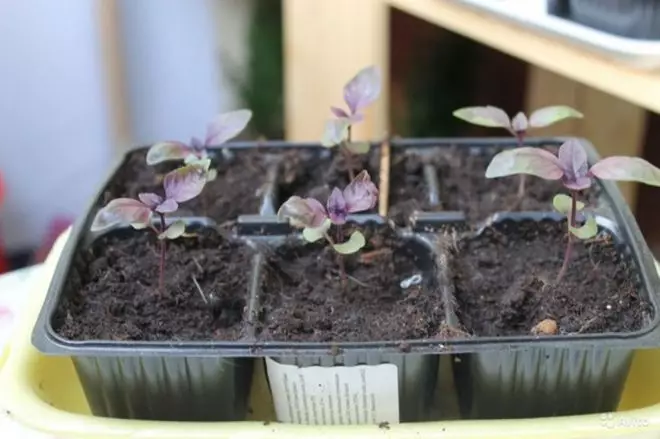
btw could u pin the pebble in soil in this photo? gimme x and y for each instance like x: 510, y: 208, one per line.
x: 113, y: 294
x: 314, y: 174
x: 237, y: 190
x: 464, y: 186
x: 303, y: 299
x: 504, y: 282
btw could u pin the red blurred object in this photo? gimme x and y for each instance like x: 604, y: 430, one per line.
x: 55, y: 229
x: 4, y: 264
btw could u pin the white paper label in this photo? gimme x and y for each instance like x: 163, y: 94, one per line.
x: 334, y: 395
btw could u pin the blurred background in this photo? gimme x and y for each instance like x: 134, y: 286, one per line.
x: 82, y: 80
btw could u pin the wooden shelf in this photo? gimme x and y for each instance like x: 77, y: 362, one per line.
x: 638, y: 87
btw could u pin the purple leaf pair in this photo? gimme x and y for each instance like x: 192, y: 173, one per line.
x: 224, y: 127
x: 180, y: 185
x: 490, y: 116
x: 360, y: 195
x: 360, y: 92
x: 571, y: 166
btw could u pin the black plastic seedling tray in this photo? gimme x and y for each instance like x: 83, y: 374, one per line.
x: 495, y: 376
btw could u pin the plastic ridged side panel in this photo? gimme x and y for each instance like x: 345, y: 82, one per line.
x: 159, y: 388
x: 540, y: 382
x: 417, y: 377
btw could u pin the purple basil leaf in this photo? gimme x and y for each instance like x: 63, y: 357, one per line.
x: 339, y: 112
x: 185, y: 183
x: 487, y: 116
x: 519, y: 123
x: 167, y: 206
x: 549, y: 115
x: 525, y: 160
x: 302, y: 212
x: 226, y: 126
x: 361, y: 194
x: 165, y: 151
x: 122, y: 211
x: 623, y: 168
x: 362, y: 89
x: 573, y: 161
x: 150, y: 199
x: 337, y: 209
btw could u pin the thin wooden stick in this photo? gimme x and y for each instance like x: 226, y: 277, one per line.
x: 199, y: 289
x: 384, y: 179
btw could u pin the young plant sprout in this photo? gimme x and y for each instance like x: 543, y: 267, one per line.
x: 490, y: 116
x: 310, y: 215
x: 224, y: 127
x: 179, y: 186
x: 572, y: 168
x: 360, y: 92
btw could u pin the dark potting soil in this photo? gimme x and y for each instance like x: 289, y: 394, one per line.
x: 464, y: 186
x: 237, y: 190
x: 409, y: 190
x: 503, y: 283
x: 303, y: 299
x: 309, y: 174
x: 114, y: 292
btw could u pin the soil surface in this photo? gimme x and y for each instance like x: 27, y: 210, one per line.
x: 237, y: 190
x: 114, y: 292
x: 503, y: 283
x: 303, y: 299
x: 309, y: 174
x: 464, y: 187
x: 408, y: 188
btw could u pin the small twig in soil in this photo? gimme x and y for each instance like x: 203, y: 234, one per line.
x: 368, y: 257
x: 199, y: 266
x: 587, y: 324
x: 199, y: 289
x: 357, y: 281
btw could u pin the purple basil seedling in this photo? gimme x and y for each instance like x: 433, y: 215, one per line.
x: 360, y: 92
x: 572, y: 168
x: 310, y: 215
x: 490, y: 116
x: 180, y: 185
x: 224, y: 127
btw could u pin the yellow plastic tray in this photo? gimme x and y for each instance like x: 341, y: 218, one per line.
x: 43, y: 394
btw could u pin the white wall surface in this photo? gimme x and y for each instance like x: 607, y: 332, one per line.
x: 173, y: 67
x: 54, y: 142
x: 55, y: 123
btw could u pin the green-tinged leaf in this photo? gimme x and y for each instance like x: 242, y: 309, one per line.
x: 622, y: 168
x: 358, y: 147
x: 175, y: 230
x: 165, y: 151
x: 549, y: 115
x: 588, y: 230
x: 211, y: 175
x: 354, y: 243
x: 190, y: 159
x: 121, y: 211
x: 335, y: 132
x: 139, y: 226
x: 525, y: 160
x: 487, y: 116
x: 563, y: 202
x: 313, y: 234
